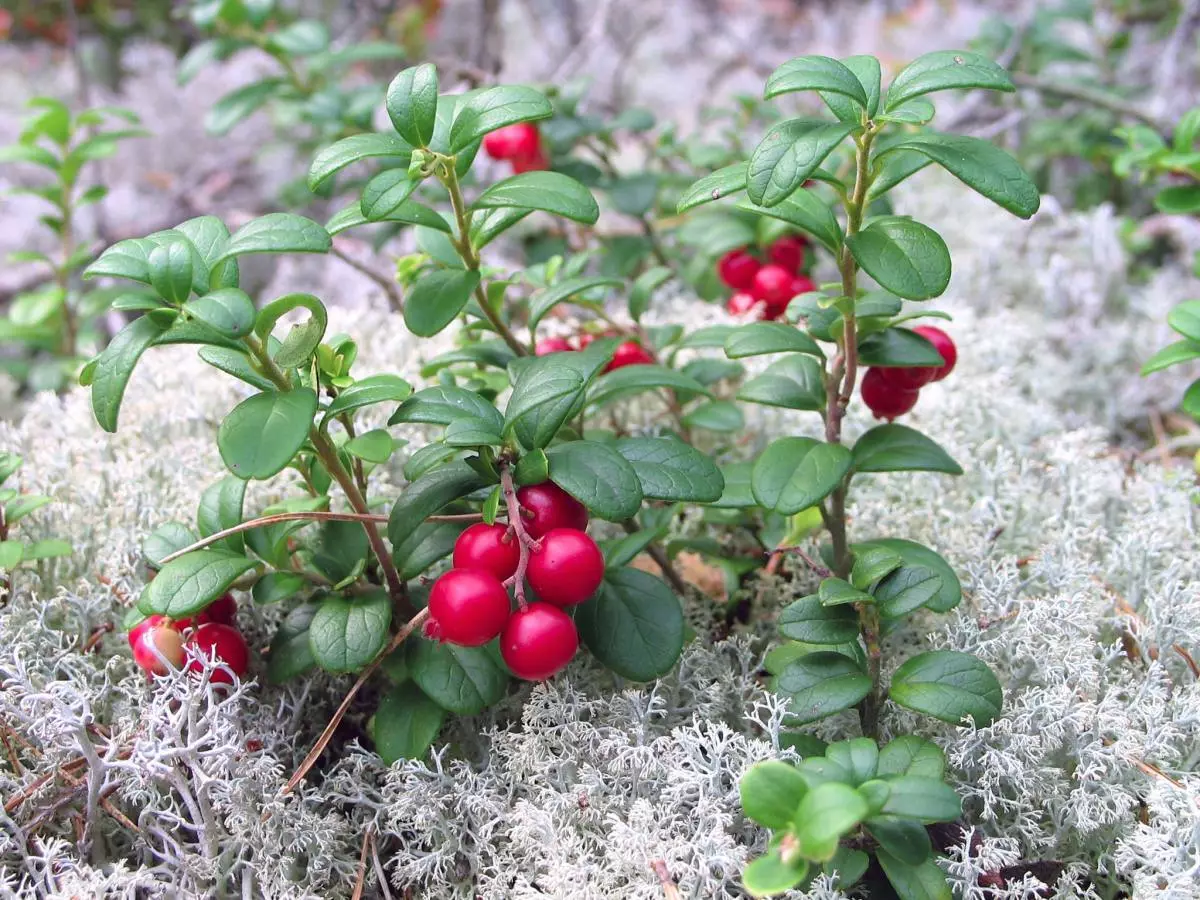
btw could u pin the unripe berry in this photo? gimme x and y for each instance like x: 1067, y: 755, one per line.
x: 884, y: 398
x: 549, y: 345
x: 469, y: 606
x: 226, y: 644
x: 630, y: 353
x: 567, y: 568
x: 740, y: 304
x: 488, y: 548
x: 538, y: 642
x: 788, y: 252
x: 551, y: 507
x: 157, y: 646
x: 737, y: 269
x: 513, y: 141
x: 942, y: 343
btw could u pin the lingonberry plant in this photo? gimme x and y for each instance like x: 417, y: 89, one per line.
x: 853, y: 800
x: 506, y: 490
x: 56, y: 322
x: 15, y: 506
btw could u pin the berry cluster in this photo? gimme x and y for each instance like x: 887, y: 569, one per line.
x: 766, y: 288
x: 160, y: 644
x: 892, y: 391
x: 628, y: 353
x: 469, y: 605
x: 520, y: 144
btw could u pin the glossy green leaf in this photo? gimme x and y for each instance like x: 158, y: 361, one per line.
x: 545, y: 300
x: 461, y: 680
x: 278, y: 586
x: 302, y: 340
x: 914, y: 554
x: 866, y: 70
x: 771, y: 792
x: 811, y: 621
x: 263, y: 432
x: 429, y: 494
x: 806, y: 211
x: 906, y: 589
x: 894, y: 167
x: 948, y: 685
x: 821, y: 684
x: 1180, y: 200
x: 186, y: 585
x: 795, y: 473
x: 442, y: 405
x: 425, y: 545
x: 898, y: 448
x: 357, y: 147
x: 547, y: 191
x: 788, y: 155
x: 759, y: 338
x: 945, y: 70
x: 721, y: 183
x: 374, y: 446
x: 872, y: 564
x: 410, y: 212
x: 369, y: 391
x: 386, y: 193
x: 815, y: 73
x: 169, y: 267
x: 923, y: 882
x: 544, y: 397
x: 917, y: 111
x: 715, y: 415
x: 290, y: 655
x: 769, y: 874
x: 793, y: 382
x: 826, y: 813
x: 406, y: 724
x: 235, y: 363
x: 598, y: 477
x: 905, y: 257
x: 165, y: 540
x: 1172, y: 355
x: 494, y: 108
x: 220, y: 508
x: 669, y: 469
x: 858, y: 756
x: 1185, y: 319
x: 115, y: 364
x: 904, y: 839
x: 848, y: 866
x: 412, y: 101
x: 346, y: 634
x: 630, y: 380
x: 912, y: 755
x: 925, y: 800
x: 835, y: 592
x: 228, y: 311
x: 338, y: 549
x: 897, y: 348
x: 437, y: 298
x: 277, y: 233
x: 633, y: 624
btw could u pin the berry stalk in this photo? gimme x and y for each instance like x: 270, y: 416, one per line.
x: 525, y: 542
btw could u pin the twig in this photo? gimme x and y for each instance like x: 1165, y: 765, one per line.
x: 525, y: 541
x: 94, y: 639
x: 379, y: 873
x: 409, y: 627
x: 1093, y: 97
x: 819, y: 570
x: 1160, y: 438
x: 670, y: 889
x: 659, y: 556
x: 390, y: 288
x: 361, y: 881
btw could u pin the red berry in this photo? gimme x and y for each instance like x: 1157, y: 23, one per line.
x: 773, y: 286
x: 909, y: 378
x: 487, y: 548
x: 470, y: 606
x: 157, y: 646
x: 740, y: 304
x: 224, y: 643
x: 802, y: 284
x: 884, y: 398
x: 549, y: 345
x: 538, y: 642
x: 630, y: 353
x: 788, y: 252
x: 223, y: 609
x: 737, y: 269
x: 513, y: 141
x: 536, y: 162
x: 567, y: 568
x: 552, y: 507
x: 942, y: 343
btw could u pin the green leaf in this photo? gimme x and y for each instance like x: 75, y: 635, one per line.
x: 826, y: 813
x: 795, y: 473
x: 124, y: 259
x: 669, y: 469
x: 906, y: 589
x: 186, y: 585
x: 228, y: 311
x: 897, y: 348
x: 788, y: 155
x: 19, y: 508
x: 374, y: 446
x: 115, y: 364
x: 169, y: 268
x: 425, y: 545
x: 471, y: 433
x: 461, y: 680
x: 914, y: 554
x: 759, y: 338
x: 385, y: 193
x: 489, y: 224
x: 925, y: 800
x: 769, y: 874
x: 406, y: 724
x: 946, y: 70
x: 409, y: 213
x: 721, y: 183
x: 598, y: 477
x: 277, y: 233
x: 302, y: 38
x: 904, y: 839
x: 208, y: 236
x: 165, y: 540
x: 276, y: 586
x: 550, y: 192
x: 771, y: 792
x: 917, y: 111
x: 949, y: 686
x: 9, y: 463
x: 428, y: 494
x: 905, y: 257
x: 48, y: 548
x: 873, y: 563
x: 1190, y: 403
x: 816, y: 73
x: 835, y: 592
x: 848, y: 866
x: 630, y: 380
x: 643, y: 289
x: 220, y: 508
x: 262, y: 433
x: 1172, y: 355
x: 412, y: 101
x: 354, y: 149
x: 633, y: 625
x: 821, y: 684
x: 893, y: 168
x: 235, y: 363
x: 980, y: 165
x: 923, y: 882
x: 11, y: 554
x: 715, y: 415
x: 866, y: 70
x: 346, y: 634
x: 442, y: 405
x: 543, y: 301
x: 240, y: 104
x: 806, y: 211
x: 494, y: 108
x: 1181, y: 200
x: 369, y: 391
x: 809, y: 620
x: 794, y: 382
x: 338, y: 549
x: 302, y: 340
x: 545, y: 396
x: 898, y: 448
x: 437, y: 298
x: 859, y: 757
x: 912, y: 755
x: 1185, y: 319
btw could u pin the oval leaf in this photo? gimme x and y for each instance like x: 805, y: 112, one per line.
x: 277, y: 233
x: 815, y: 73
x: 345, y: 635
x: 406, y: 724
x: 821, y: 684
x: 633, y: 624
x: 809, y: 620
x: 949, y: 686
x: 946, y: 70
x: 905, y: 257
x: 354, y: 149
x: 550, y: 192
x: 412, y: 101
x: 669, y: 469
x: 262, y: 433
x: 794, y: 382
x: 788, y: 155
x: 771, y: 792
x: 495, y: 108
x: 598, y: 477
x: 898, y: 448
x: 795, y: 473
x: 115, y: 364
x: 982, y: 166
x: 720, y: 183
x: 437, y: 298
x: 186, y: 585
x: 461, y: 680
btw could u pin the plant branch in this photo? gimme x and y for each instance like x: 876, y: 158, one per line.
x: 409, y: 627
x: 1093, y: 97
x: 525, y: 541
x: 390, y: 288
x: 661, y: 560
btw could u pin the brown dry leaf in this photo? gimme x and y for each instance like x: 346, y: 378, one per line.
x: 694, y: 570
